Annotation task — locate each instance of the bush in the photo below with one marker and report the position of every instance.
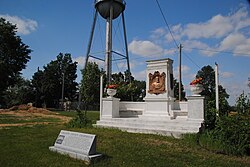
(210, 118)
(79, 121)
(234, 134)
(230, 136)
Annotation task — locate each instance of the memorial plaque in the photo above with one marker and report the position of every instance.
(75, 144)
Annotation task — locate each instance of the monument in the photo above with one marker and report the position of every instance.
(160, 113)
(159, 89)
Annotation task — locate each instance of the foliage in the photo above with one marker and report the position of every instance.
(210, 115)
(243, 104)
(20, 93)
(37, 83)
(126, 91)
(176, 90)
(208, 81)
(90, 84)
(48, 83)
(14, 55)
(234, 134)
(79, 121)
(230, 136)
(134, 91)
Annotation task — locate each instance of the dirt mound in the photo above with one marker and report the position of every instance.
(28, 116)
(38, 110)
(28, 108)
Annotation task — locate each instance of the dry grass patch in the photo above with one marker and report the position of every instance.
(25, 115)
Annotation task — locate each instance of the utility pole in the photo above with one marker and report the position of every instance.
(217, 88)
(180, 81)
(62, 89)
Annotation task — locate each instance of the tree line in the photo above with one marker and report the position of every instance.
(56, 81)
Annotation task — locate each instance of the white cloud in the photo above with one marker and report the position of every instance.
(226, 74)
(218, 26)
(185, 71)
(141, 75)
(234, 89)
(81, 61)
(24, 26)
(157, 33)
(237, 43)
(148, 49)
(231, 41)
(145, 48)
(199, 45)
(220, 33)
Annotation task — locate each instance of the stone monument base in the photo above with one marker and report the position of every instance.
(87, 158)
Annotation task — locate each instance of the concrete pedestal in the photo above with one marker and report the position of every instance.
(196, 107)
(110, 107)
(156, 108)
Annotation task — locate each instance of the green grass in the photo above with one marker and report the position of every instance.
(28, 146)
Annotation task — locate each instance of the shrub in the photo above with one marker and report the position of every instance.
(234, 134)
(230, 136)
(210, 118)
(79, 121)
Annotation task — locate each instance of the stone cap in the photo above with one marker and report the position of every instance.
(159, 60)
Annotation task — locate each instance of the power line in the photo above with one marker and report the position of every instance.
(165, 20)
(191, 60)
(218, 51)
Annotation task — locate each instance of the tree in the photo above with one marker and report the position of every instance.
(90, 84)
(243, 104)
(208, 80)
(176, 90)
(14, 55)
(135, 91)
(21, 92)
(37, 83)
(207, 74)
(49, 83)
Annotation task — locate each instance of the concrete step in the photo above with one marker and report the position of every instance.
(130, 113)
(149, 130)
(140, 124)
(155, 121)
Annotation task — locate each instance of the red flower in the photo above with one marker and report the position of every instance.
(113, 86)
(196, 81)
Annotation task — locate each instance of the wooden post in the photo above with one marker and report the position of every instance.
(180, 81)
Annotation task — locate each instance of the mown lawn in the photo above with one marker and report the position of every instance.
(29, 146)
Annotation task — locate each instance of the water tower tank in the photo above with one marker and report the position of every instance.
(103, 7)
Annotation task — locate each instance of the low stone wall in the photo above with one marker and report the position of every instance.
(183, 105)
(131, 106)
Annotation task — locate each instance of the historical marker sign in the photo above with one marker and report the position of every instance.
(75, 144)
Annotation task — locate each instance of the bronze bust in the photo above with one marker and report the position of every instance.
(157, 83)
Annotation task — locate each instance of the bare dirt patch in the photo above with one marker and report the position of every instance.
(30, 114)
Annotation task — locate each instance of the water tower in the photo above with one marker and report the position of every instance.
(109, 10)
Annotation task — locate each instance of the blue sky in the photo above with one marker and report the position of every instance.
(53, 26)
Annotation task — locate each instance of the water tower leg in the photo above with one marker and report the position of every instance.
(90, 39)
(126, 45)
(108, 59)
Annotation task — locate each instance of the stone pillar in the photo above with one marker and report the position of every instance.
(110, 108)
(159, 89)
(196, 107)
